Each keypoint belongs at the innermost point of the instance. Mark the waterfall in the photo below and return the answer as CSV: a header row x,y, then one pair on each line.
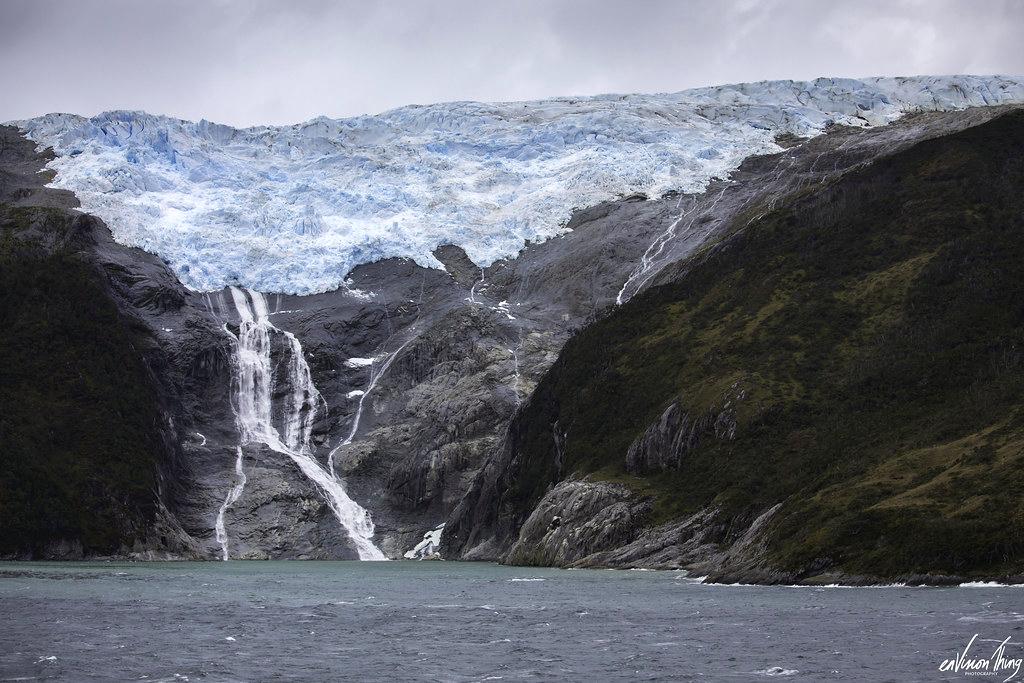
x,y
298,424
515,367
472,290
236,491
646,269
377,370
254,412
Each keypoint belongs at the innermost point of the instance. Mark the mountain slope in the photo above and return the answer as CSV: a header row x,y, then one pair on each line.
x,y
82,433
836,385
420,369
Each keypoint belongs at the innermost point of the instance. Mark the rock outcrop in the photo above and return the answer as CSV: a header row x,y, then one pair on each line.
x,y
665,443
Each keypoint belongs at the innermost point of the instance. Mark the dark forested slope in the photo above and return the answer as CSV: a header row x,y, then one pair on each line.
x,y
80,429
853,355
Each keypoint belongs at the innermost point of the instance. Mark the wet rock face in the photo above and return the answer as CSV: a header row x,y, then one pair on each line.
x,y
458,264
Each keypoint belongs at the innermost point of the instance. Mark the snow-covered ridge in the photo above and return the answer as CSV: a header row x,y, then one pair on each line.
x,y
294,208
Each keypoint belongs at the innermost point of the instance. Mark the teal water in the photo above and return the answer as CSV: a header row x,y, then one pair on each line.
x,y
448,621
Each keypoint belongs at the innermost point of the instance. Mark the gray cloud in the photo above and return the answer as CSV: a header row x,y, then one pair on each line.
x,y
247,62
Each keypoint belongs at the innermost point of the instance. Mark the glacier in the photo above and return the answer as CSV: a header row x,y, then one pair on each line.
x,y
292,209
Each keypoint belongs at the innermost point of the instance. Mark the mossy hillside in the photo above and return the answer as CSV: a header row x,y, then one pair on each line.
x,y
79,429
876,327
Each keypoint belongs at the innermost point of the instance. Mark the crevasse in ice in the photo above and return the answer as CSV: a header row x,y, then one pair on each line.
x,y
294,208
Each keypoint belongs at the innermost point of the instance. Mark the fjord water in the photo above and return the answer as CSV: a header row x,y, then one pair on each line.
x,y
368,621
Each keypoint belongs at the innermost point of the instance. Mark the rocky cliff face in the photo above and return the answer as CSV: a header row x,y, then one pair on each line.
x,y
458,351
742,417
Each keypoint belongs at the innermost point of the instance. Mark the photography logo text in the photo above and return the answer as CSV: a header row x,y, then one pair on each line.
x,y
977,660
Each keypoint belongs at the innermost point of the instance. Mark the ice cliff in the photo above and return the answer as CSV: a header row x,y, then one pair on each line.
x,y
294,208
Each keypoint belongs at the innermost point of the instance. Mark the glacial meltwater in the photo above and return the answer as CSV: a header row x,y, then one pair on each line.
x,y
448,621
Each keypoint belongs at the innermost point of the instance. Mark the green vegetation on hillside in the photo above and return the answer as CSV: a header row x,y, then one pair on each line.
x,y
78,424
877,328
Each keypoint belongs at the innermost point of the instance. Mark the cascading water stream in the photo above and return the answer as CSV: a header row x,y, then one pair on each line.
x,y
377,370
646,269
233,495
254,413
515,371
472,290
648,258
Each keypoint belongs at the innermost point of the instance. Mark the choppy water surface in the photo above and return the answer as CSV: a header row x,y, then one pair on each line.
x,y
473,622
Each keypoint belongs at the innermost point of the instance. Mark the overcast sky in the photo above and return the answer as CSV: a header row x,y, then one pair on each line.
x,y
245,62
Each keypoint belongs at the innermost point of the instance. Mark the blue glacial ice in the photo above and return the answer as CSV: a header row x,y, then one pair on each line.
x,y
294,208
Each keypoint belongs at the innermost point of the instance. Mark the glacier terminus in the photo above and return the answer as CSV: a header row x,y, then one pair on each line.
x,y
293,209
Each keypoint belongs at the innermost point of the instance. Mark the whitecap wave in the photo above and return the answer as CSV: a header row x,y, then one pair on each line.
x,y
776,671
990,584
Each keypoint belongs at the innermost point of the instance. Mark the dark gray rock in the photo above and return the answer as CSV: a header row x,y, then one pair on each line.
x,y
665,443
576,519
581,523
458,264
